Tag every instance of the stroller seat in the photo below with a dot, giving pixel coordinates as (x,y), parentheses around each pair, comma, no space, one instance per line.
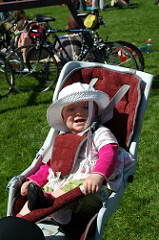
(126,125)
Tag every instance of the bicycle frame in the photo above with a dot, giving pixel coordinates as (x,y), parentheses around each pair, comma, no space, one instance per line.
(87,43)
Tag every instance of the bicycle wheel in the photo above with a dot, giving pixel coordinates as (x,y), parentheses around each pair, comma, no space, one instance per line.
(115,53)
(24,79)
(5,88)
(136,53)
(43,66)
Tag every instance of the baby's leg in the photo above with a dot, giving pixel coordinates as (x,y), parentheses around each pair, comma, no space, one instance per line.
(62,216)
(57,193)
(24,210)
(54,194)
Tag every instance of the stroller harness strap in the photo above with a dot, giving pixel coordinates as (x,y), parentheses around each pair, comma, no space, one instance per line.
(65,152)
(108,111)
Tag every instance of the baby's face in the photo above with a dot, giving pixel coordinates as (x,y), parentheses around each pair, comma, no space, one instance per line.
(75,116)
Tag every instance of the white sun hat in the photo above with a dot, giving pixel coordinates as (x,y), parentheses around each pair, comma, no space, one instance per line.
(76,92)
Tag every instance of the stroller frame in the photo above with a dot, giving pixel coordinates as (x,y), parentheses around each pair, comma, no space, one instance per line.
(110,204)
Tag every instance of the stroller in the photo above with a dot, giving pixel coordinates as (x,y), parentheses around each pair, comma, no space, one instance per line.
(126,125)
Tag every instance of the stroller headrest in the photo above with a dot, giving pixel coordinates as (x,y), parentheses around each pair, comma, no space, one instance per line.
(110,81)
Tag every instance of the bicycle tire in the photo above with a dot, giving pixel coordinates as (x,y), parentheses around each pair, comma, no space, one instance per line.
(24,79)
(90,52)
(136,53)
(5,88)
(89,56)
(41,62)
(115,53)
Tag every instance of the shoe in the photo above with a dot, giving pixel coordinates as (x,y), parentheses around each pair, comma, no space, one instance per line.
(36,197)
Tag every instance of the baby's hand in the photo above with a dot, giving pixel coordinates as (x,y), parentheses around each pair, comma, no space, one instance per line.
(93,183)
(24,188)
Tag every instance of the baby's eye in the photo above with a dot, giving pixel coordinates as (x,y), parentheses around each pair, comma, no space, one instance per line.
(70,109)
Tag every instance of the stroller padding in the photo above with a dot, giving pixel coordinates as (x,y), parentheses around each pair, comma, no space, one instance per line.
(126,111)
(66,154)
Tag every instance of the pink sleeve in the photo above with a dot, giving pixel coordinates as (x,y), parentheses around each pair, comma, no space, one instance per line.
(40,177)
(107,160)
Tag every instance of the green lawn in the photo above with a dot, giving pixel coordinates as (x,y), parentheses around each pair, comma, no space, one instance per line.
(24,127)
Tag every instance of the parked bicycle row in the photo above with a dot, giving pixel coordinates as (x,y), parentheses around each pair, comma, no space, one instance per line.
(37,65)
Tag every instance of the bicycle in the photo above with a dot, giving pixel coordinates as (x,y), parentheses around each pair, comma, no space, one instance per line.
(136,53)
(23,78)
(7,45)
(40,64)
(118,52)
(91,49)
(7,41)
(105,45)
(46,69)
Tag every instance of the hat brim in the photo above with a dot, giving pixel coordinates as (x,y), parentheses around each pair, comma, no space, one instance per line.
(54,111)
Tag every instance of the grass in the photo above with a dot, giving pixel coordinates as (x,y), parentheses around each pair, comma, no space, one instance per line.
(24,127)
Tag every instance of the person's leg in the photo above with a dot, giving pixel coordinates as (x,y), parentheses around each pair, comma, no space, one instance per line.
(101,4)
(94,4)
(24,41)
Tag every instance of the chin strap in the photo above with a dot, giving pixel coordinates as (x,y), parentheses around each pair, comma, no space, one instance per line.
(90,114)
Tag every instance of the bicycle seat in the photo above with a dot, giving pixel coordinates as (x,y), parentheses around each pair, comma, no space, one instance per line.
(82,14)
(42,18)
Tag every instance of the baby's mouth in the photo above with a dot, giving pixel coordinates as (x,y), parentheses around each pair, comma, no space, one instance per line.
(81,120)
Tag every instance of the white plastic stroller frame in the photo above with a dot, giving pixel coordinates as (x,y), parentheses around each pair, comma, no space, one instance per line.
(110,205)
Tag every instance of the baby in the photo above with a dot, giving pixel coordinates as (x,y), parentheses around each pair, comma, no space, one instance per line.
(99,161)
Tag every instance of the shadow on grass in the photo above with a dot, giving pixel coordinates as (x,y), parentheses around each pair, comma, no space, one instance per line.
(32,98)
(155,84)
(32,101)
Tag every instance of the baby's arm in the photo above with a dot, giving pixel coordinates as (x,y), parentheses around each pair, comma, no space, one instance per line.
(108,156)
(24,187)
(40,178)
(93,183)
(103,169)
